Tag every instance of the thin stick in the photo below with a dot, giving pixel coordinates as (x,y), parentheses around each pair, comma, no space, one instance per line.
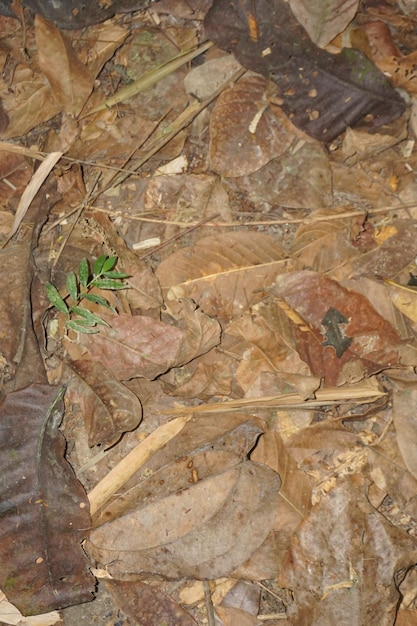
(209,604)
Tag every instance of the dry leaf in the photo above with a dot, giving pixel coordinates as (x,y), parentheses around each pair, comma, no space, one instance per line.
(246,130)
(223,274)
(324,20)
(70,80)
(109,407)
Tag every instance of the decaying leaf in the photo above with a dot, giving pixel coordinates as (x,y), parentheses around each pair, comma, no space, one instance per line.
(344,561)
(109,407)
(44,514)
(365,339)
(246,130)
(180,514)
(322,93)
(145,604)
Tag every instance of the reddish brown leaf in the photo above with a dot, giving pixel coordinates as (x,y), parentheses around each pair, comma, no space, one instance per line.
(246,131)
(339,351)
(147,605)
(44,514)
(109,407)
(140,346)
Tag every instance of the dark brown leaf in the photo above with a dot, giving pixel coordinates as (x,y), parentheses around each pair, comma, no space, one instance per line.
(44,512)
(322,93)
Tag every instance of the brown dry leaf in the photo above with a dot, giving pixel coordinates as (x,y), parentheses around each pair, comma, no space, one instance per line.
(405,422)
(344,561)
(359,145)
(178,516)
(70,80)
(283,181)
(102,40)
(140,346)
(246,130)
(109,408)
(322,244)
(29,103)
(202,80)
(147,604)
(406,617)
(257,346)
(193,532)
(224,274)
(336,331)
(394,254)
(404,298)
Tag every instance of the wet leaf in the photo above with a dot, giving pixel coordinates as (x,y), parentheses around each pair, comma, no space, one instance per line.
(109,407)
(322,93)
(44,514)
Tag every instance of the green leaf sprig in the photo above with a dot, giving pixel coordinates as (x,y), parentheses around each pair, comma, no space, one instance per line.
(78,318)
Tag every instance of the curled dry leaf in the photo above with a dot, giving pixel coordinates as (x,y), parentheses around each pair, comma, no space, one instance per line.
(109,407)
(224,274)
(44,515)
(336,331)
(405,422)
(70,80)
(140,346)
(246,129)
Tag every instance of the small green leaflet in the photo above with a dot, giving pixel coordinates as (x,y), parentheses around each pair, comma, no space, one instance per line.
(55,298)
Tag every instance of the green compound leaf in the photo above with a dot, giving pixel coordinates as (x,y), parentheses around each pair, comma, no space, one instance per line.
(108,283)
(87,316)
(109,264)
(55,298)
(92,297)
(72,285)
(84,273)
(115,275)
(98,264)
(79,328)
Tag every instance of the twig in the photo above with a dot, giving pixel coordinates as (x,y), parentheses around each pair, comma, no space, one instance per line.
(209,604)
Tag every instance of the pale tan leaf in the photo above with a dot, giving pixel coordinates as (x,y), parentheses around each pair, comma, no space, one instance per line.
(124,470)
(325,19)
(224,274)
(405,422)
(70,80)
(404,298)
(9,614)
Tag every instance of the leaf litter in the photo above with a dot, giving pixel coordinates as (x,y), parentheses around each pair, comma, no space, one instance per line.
(243,418)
